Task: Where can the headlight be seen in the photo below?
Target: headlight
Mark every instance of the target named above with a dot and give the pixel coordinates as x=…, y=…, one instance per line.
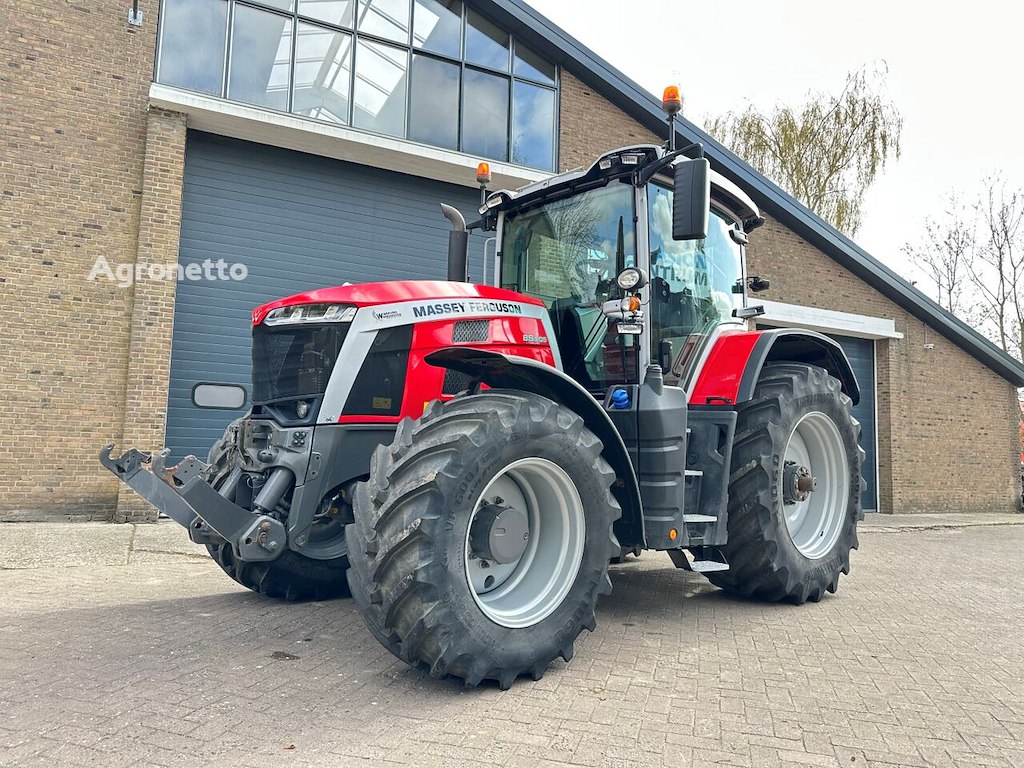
x=631, y=279
x=301, y=409
x=311, y=313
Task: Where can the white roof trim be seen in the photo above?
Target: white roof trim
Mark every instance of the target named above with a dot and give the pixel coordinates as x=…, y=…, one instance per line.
x=826, y=320
x=242, y=121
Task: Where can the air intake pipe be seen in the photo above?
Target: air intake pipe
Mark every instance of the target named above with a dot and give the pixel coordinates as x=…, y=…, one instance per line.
x=458, y=245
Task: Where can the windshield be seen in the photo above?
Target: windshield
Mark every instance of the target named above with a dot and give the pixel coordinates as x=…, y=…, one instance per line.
x=567, y=253
x=695, y=284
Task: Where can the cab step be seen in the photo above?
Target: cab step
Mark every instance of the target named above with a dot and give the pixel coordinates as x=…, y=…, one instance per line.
x=710, y=560
x=699, y=518
x=707, y=566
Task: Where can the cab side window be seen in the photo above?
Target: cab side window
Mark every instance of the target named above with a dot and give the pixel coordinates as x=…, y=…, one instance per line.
x=695, y=284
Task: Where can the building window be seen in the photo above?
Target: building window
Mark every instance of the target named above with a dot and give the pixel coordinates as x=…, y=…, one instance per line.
x=486, y=44
x=432, y=71
x=437, y=27
x=485, y=114
x=193, y=39
x=434, y=102
x=387, y=19
x=340, y=13
x=323, y=73
x=261, y=58
x=379, y=98
x=533, y=111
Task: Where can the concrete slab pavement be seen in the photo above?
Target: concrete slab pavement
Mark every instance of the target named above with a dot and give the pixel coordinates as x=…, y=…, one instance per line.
x=72, y=545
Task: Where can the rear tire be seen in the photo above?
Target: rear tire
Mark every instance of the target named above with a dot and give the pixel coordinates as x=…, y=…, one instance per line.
x=361, y=536
x=780, y=549
x=421, y=586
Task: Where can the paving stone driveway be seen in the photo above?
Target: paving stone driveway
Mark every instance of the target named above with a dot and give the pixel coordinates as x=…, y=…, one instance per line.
x=917, y=661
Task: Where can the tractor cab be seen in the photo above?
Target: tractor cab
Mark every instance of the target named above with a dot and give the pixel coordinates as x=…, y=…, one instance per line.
x=629, y=276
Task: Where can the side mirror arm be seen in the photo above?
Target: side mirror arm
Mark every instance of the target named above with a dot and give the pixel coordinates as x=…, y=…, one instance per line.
x=649, y=172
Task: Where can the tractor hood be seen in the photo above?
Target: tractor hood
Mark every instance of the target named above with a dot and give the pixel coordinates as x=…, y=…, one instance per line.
x=372, y=294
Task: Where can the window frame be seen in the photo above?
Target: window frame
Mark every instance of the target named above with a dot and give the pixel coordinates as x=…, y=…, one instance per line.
x=733, y=221
x=297, y=18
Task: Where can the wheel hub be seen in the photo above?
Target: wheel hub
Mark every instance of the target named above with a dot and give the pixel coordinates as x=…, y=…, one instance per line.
x=797, y=483
x=499, y=534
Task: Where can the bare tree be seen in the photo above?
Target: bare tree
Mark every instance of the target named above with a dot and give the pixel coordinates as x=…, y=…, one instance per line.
x=945, y=256
x=825, y=152
x=998, y=276
x=974, y=257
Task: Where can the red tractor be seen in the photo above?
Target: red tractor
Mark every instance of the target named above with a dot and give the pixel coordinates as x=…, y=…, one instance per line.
x=467, y=459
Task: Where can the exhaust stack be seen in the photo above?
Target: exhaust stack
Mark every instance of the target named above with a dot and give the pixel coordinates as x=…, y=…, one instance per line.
x=458, y=245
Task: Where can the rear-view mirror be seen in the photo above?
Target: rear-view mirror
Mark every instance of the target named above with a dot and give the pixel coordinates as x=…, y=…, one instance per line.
x=691, y=199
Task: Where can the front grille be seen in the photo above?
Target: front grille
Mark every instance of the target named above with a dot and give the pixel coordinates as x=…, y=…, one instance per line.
x=470, y=330
x=294, y=361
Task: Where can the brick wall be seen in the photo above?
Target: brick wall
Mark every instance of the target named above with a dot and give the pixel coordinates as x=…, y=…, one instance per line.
x=152, y=320
x=947, y=429
x=589, y=124
x=73, y=83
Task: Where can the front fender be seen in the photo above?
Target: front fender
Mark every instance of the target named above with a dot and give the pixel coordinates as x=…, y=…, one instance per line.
x=503, y=371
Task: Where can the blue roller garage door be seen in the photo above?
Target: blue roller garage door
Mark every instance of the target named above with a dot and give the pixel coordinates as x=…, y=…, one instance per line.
x=861, y=353
x=296, y=222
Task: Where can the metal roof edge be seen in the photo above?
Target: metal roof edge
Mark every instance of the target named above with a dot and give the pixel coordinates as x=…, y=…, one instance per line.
x=629, y=96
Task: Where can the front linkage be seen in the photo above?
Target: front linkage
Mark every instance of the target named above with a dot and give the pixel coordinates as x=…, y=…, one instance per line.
x=183, y=494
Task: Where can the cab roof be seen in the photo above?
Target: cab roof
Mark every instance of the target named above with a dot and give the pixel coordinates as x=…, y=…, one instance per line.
x=619, y=163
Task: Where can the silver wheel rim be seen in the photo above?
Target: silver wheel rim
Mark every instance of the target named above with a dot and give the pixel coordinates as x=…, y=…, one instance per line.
x=815, y=524
x=528, y=590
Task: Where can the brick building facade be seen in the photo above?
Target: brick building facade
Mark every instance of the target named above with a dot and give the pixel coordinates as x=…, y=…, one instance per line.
x=93, y=164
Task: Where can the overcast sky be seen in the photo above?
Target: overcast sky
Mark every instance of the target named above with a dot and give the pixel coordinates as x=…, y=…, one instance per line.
x=954, y=74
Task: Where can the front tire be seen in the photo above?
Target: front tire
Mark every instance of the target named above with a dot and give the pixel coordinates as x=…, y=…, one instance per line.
x=290, y=576
x=785, y=544
x=422, y=521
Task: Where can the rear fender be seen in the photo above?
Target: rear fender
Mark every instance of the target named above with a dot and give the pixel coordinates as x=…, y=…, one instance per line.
x=799, y=346
x=512, y=372
x=735, y=363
